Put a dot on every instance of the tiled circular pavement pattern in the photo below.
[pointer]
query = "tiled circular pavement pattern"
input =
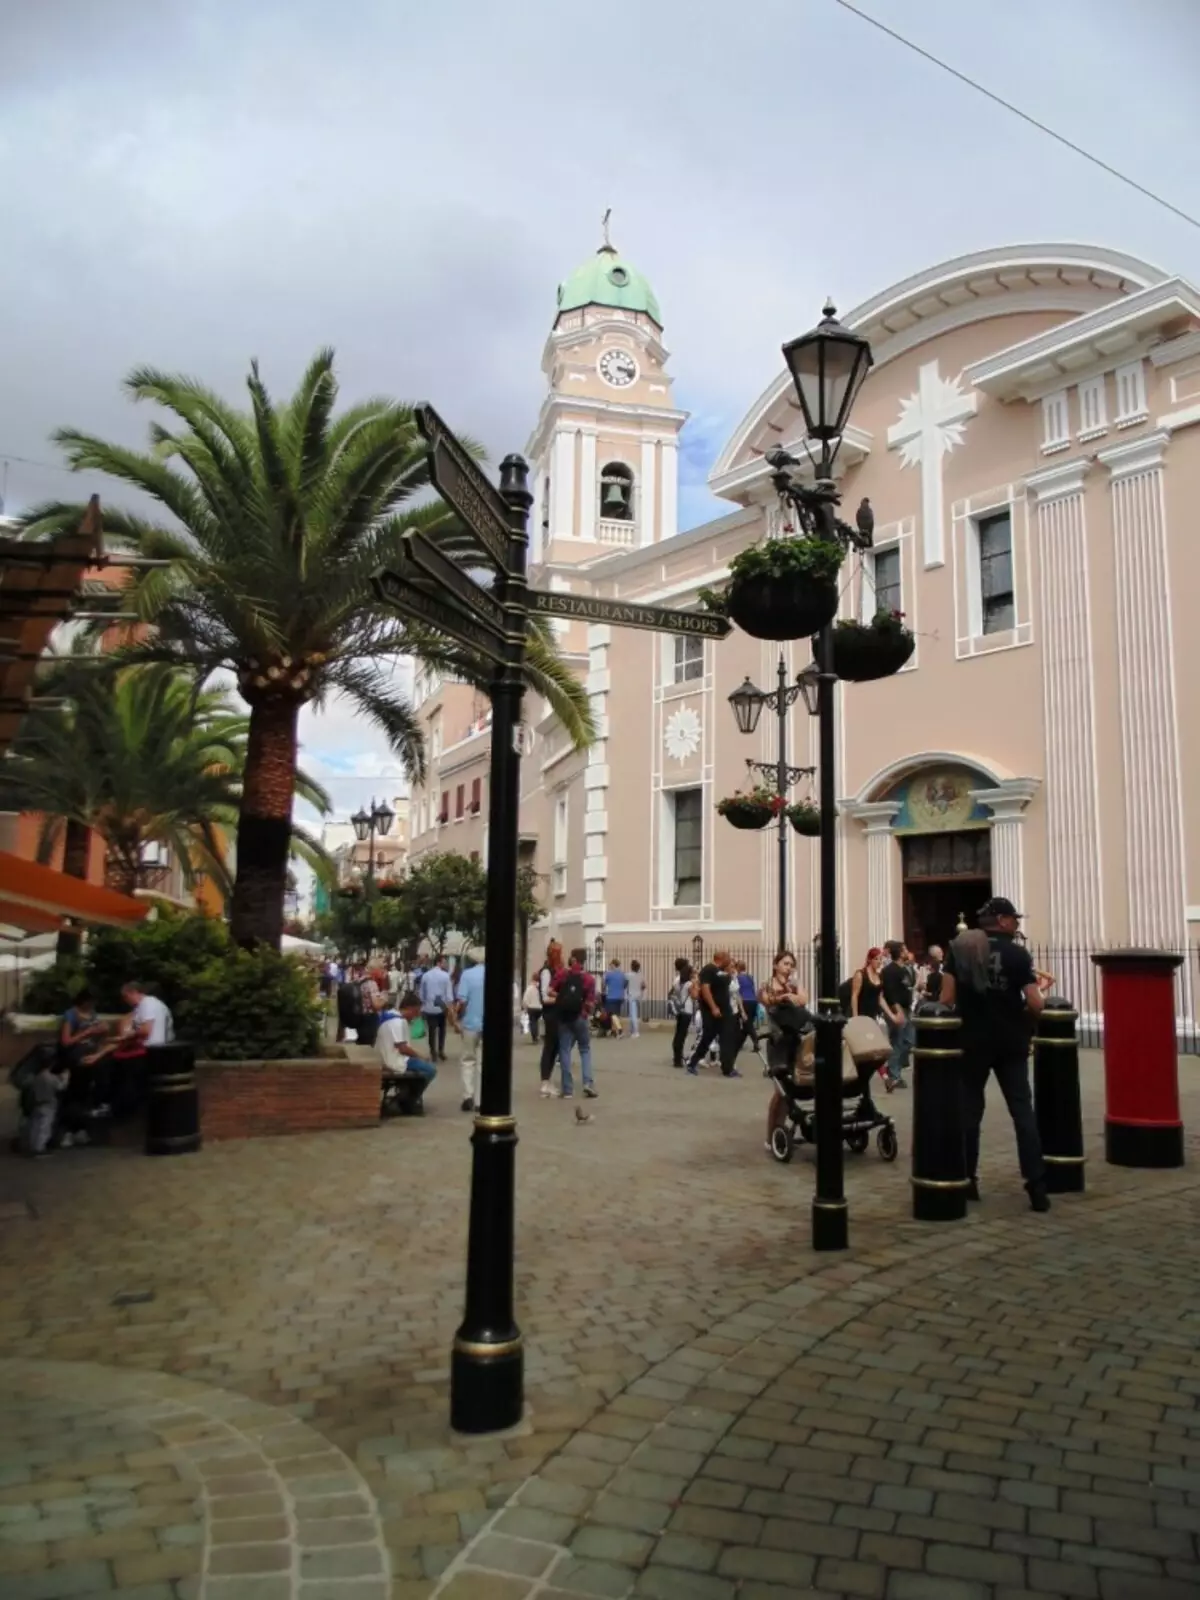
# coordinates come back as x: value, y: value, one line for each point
x: 983, y: 1411
x: 167, y: 1490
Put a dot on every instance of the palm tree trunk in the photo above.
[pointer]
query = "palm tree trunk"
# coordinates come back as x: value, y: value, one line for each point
x: 265, y: 823
x: 77, y: 848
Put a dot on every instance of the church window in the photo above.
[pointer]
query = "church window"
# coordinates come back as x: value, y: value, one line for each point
x: 1056, y: 427
x: 882, y: 588
x: 1093, y: 408
x: 1131, y: 394
x: 689, y: 658
x: 559, y: 870
x: 616, y: 493
x: 689, y: 845
x: 996, y: 573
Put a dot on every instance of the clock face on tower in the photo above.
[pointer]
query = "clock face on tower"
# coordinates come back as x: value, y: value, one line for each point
x: 618, y: 368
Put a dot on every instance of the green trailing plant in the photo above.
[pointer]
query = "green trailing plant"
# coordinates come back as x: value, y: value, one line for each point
x: 817, y: 559
x: 251, y: 1005
x: 805, y: 818
x: 276, y: 517
x: 756, y: 799
x: 885, y: 624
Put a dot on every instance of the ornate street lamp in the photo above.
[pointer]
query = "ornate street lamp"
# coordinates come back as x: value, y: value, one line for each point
x: 362, y: 824
x: 366, y: 825
x: 828, y: 367
x: 747, y: 703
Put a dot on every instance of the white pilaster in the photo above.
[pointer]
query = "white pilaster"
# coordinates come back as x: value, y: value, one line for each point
x: 668, y: 525
x: 1007, y: 802
x: 588, y: 484
x: 647, y: 511
x: 537, y: 511
x: 877, y: 818
x: 1072, y: 787
x: 596, y: 784
x: 562, y: 486
x: 1146, y: 675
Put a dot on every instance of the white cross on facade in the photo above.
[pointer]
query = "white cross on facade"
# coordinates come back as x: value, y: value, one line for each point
x: 932, y: 422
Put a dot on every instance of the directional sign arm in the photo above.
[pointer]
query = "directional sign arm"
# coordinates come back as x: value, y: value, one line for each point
x: 628, y: 614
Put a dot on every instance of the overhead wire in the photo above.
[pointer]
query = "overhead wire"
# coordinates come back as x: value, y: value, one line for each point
x: 1042, y: 127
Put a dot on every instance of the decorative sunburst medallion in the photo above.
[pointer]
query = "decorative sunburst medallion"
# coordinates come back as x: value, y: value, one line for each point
x: 682, y: 735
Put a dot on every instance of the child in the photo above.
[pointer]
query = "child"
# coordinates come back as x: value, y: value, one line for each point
x: 42, y: 1096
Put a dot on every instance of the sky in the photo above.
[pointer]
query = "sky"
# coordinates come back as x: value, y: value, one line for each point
x: 192, y: 183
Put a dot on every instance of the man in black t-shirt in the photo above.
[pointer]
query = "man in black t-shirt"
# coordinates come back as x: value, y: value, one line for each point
x: 998, y: 997
x: 899, y: 980
x: 716, y: 1014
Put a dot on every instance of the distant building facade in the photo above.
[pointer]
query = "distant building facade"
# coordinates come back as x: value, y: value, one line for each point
x: 1030, y: 441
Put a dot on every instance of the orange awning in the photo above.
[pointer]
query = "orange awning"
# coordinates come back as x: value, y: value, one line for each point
x: 38, y: 899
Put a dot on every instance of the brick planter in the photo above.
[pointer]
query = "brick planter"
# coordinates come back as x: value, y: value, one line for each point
x: 257, y: 1099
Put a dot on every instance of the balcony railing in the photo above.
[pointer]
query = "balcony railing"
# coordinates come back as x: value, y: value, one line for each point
x: 619, y: 533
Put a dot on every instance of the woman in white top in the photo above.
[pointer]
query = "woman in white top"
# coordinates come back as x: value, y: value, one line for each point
x: 532, y: 1002
x: 635, y: 988
x: 681, y: 1005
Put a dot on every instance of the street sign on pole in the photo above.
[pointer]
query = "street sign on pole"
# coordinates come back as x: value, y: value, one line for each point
x: 436, y: 568
x: 461, y: 484
x: 628, y: 614
x: 412, y: 601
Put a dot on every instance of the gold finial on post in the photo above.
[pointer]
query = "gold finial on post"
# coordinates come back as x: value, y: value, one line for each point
x: 962, y: 924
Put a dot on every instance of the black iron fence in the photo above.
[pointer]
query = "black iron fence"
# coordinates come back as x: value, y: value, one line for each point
x: 1076, y: 976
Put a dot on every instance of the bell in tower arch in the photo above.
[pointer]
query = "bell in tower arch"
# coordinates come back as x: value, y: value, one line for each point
x: 616, y: 493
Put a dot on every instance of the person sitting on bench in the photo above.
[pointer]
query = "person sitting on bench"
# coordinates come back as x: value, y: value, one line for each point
x: 406, y: 1073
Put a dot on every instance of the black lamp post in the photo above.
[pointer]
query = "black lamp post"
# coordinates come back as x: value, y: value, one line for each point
x: 748, y: 703
x: 366, y: 825
x: 828, y: 366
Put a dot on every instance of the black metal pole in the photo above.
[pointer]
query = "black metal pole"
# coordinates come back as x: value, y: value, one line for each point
x: 830, y: 1214
x: 781, y: 709
x: 487, y: 1364
x: 370, y: 883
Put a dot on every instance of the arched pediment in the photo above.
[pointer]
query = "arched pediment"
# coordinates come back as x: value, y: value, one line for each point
x: 884, y: 783
x: 1010, y: 280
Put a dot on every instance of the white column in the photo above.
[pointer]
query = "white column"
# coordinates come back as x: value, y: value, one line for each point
x: 535, y: 518
x: 1146, y: 675
x: 562, y: 486
x: 647, y: 508
x: 1007, y: 802
x: 596, y: 786
x: 877, y: 817
x: 588, y: 484
x: 1072, y: 788
x: 668, y: 526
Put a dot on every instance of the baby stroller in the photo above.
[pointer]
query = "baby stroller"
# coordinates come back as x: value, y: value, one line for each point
x: 791, y: 1052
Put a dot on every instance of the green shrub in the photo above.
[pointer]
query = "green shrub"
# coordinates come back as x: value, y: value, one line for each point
x: 51, y: 990
x: 251, y: 1005
x: 165, y: 954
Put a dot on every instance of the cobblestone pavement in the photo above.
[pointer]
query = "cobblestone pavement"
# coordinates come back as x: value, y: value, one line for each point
x: 223, y: 1377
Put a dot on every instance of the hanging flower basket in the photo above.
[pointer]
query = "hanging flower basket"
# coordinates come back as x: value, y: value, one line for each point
x: 782, y: 588
x: 753, y: 810
x: 391, y: 888
x: 863, y: 652
x: 806, y: 819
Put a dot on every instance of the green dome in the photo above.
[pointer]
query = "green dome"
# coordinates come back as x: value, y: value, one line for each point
x: 606, y: 280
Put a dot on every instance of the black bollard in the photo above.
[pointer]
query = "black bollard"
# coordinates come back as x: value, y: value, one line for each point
x: 173, y: 1103
x: 939, y: 1159
x: 1056, y: 1096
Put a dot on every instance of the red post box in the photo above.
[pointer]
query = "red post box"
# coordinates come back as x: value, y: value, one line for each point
x: 1142, y: 1125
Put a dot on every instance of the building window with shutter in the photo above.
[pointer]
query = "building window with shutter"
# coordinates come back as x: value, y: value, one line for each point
x: 459, y: 802
x: 1056, y: 424
x: 689, y: 845
x: 476, y: 796
x: 444, y: 814
x: 996, y: 573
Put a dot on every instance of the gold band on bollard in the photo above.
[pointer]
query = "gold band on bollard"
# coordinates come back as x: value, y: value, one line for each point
x: 1065, y: 1044
x: 924, y: 1055
x: 831, y: 1205
x: 937, y: 1022
x: 940, y: 1183
x: 1066, y: 1161
x: 496, y: 1124
x: 488, y: 1352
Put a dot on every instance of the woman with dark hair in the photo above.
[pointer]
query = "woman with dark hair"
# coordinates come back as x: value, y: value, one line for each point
x: 785, y: 1003
x: 681, y: 1005
x: 545, y: 980
x: 866, y: 987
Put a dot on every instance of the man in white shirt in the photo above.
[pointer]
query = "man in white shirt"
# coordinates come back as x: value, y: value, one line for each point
x: 398, y: 1057
x: 151, y: 1022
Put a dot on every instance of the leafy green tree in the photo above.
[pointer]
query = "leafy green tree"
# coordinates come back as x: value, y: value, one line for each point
x: 445, y: 893
x: 529, y: 909
x: 278, y: 518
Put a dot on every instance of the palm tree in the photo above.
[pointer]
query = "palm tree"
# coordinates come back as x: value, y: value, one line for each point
x: 281, y: 516
x: 140, y: 756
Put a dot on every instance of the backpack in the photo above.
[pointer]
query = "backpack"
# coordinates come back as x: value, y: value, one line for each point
x: 571, y: 995
x: 350, y: 999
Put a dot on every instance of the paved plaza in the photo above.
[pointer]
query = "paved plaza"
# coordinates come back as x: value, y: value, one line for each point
x: 225, y: 1375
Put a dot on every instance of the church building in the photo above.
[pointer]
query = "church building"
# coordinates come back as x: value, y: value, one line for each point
x: 1029, y: 439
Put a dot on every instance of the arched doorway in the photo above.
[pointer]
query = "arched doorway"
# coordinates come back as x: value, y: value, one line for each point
x: 944, y: 835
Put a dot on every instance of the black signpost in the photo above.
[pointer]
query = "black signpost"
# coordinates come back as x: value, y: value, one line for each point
x: 434, y: 588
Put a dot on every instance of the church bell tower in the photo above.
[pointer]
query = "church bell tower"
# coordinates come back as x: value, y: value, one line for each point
x: 605, y: 470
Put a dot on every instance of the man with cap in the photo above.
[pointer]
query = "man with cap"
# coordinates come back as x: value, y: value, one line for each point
x: 992, y: 980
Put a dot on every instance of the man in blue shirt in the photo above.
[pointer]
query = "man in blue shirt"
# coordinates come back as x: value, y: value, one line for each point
x: 614, y: 990
x: 470, y: 1020
x: 437, y: 996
